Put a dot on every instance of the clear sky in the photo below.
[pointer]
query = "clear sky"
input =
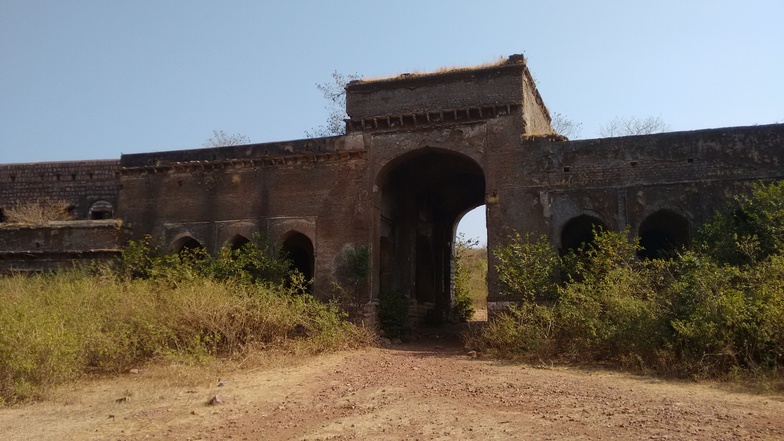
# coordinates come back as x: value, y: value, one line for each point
x: 94, y: 79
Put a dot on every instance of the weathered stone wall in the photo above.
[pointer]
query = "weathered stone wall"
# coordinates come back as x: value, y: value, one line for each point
x: 421, y: 150
x: 28, y: 248
x: 316, y: 188
x: 624, y: 181
x: 80, y: 183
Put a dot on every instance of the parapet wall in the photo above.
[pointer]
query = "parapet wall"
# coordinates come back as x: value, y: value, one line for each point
x: 29, y: 248
x: 80, y: 183
x: 450, y: 96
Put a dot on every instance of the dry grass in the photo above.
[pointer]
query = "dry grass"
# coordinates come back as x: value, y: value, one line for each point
x: 40, y: 211
x: 500, y: 61
x: 57, y: 328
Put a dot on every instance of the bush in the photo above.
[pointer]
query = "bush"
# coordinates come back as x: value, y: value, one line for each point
x: 527, y: 268
x: 393, y: 315
x: 527, y: 329
x: 463, y: 305
x: 56, y: 327
x: 749, y: 230
x: 689, y: 316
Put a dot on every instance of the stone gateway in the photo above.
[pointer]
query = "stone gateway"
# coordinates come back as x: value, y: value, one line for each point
x: 420, y: 150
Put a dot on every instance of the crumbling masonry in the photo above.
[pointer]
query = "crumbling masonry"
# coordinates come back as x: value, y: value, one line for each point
x: 420, y: 151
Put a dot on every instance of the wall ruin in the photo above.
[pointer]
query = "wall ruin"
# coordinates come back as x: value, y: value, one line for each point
x: 420, y: 151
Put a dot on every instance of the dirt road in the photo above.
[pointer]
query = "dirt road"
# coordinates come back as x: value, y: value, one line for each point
x: 428, y: 390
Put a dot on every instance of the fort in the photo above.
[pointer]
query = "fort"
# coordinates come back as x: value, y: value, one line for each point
x: 420, y: 150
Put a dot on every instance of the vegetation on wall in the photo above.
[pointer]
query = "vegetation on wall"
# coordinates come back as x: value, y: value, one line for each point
x: 39, y: 211
x: 714, y: 311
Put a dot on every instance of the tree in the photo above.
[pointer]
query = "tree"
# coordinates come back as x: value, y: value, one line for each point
x: 335, y: 93
x: 223, y: 139
x: 565, y: 126
x: 627, y: 126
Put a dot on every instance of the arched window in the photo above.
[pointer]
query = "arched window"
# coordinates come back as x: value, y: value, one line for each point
x: 2, y: 215
x: 579, y: 231
x: 662, y: 234
x: 101, y: 210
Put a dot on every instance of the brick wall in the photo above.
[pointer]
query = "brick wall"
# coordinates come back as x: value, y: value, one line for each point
x: 29, y: 248
x: 80, y: 183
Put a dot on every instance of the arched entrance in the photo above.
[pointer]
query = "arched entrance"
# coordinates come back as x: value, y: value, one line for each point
x: 298, y: 248
x: 662, y: 234
x: 423, y: 196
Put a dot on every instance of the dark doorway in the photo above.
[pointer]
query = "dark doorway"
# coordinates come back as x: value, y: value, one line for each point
x: 298, y: 248
x: 101, y: 210
x: 423, y: 196
x: 579, y: 233
x: 663, y: 234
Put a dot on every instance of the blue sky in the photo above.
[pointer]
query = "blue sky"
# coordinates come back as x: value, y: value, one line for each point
x: 94, y: 79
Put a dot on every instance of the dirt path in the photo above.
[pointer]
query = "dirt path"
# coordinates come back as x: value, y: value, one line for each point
x: 429, y: 390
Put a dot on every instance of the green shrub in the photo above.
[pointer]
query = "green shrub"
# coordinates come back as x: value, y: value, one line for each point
x: 527, y: 268
x: 463, y: 306
x: 526, y: 329
x: 393, y: 315
x: 749, y: 230
x: 689, y: 316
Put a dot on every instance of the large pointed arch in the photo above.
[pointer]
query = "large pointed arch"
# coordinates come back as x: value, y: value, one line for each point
x: 423, y: 195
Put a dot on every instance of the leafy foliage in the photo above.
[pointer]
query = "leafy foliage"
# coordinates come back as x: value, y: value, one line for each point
x: 708, y: 312
x: 393, y: 315
x: 527, y: 268
x: 748, y: 231
x: 463, y: 307
x: 352, y: 275
x: 254, y: 262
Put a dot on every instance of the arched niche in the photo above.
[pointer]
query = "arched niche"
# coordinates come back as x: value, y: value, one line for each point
x: 236, y: 242
x: 579, y: 231
x: 298, y: 248
x: 187, y: 244
x: 101, y: 210
x: 663, y: 234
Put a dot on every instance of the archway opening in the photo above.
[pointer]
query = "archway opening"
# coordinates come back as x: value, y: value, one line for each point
x: 662, y: 235
x: 423, y: 196
x: 298, y: 249
x: 237, y: 242
x: 101, y: 210
x: 189, y: 247
x: 471, y: 261
x: 578, y: 233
